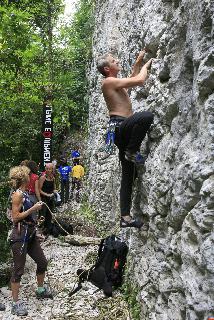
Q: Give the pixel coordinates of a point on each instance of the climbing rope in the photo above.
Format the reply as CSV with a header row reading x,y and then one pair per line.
x,y
56,219
51,258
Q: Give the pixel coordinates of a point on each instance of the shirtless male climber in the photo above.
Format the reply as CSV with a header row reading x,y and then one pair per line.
x,y
130,128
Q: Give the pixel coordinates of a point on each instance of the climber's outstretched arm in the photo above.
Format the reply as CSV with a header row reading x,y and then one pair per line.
x,y
138,64
119,83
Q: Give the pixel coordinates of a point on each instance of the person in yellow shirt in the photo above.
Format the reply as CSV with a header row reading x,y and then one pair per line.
x,y
77,176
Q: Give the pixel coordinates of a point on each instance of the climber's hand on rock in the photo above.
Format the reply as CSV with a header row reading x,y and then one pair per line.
x,y
148,64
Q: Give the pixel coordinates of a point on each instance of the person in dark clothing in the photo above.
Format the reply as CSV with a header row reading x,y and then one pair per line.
x,y
33,187
64,171
130,129
23,238
47,189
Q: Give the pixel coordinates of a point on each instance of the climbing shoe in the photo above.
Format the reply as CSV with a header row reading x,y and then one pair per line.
x,y
2,307
19,309
133,223
136,157
44,293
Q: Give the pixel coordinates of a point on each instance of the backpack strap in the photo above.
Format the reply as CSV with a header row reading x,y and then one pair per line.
x,y
79,286
23,198
100,247
82,276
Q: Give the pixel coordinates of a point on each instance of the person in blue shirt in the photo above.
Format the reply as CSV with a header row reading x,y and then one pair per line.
x,y
75,154
64,171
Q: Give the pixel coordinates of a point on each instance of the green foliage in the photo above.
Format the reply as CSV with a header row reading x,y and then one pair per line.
x,y
25,63
76,47
4,245
23,75
130,293
114,308
36,52
86,211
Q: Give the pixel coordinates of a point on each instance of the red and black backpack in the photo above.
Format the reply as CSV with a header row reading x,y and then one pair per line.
x,y
109,268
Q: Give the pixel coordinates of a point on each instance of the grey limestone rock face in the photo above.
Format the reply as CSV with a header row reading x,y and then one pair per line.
x,y
172,263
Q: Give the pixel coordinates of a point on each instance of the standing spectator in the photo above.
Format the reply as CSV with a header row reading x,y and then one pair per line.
x,y
64,171
77,175
33,187
23,239
47,189
75,154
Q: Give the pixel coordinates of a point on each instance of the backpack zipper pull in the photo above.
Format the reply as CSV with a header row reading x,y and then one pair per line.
x,y
116,264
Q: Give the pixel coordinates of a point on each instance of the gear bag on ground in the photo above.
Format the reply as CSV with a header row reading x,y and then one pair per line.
x,y
109,268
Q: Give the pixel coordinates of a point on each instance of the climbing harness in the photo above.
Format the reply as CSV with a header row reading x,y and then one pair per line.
x,y
110,137
24,240
26,237
23,224
109,148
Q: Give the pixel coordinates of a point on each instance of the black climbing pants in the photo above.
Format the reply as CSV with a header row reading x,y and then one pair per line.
x,y
129,133
65,190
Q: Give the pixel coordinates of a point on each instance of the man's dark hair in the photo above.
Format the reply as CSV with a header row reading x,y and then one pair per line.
x,y
32,166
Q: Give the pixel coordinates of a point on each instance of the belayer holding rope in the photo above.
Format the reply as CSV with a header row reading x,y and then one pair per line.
x,y
130,129
23,239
